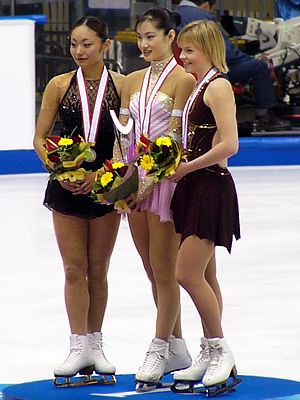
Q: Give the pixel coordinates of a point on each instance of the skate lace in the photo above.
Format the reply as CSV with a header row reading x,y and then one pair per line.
x,y
216,358
97,347
152,360
75,351
203,356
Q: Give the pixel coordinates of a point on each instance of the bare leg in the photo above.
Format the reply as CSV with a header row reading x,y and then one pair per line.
x,y
211,277
72,236
139,227
100,246
193,259
162,238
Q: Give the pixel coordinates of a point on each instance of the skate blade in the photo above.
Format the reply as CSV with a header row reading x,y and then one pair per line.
x,y
108,379
142,387
180,386
225,387
67,382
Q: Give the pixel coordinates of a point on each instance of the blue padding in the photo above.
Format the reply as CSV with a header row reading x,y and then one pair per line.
x,y
20,162
38,18
253,152
251,388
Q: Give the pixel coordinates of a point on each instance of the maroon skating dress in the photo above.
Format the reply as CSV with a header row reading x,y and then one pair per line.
x,y
205,201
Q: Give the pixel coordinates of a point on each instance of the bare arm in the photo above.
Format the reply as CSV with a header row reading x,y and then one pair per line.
x,y
183,89
219,97
46,118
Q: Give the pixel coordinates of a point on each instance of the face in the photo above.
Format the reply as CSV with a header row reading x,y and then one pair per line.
x,y
86,47
153,43
194,60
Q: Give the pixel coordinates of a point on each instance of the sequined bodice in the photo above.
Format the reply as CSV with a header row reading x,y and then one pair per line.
x,y
202,126
160,116
71,117
162,105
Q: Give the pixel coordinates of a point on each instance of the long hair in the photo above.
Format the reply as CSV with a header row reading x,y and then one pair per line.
x,y
206,36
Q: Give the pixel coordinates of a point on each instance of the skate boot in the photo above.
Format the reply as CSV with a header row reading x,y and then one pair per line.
x,y
79,361
179,356
149,374
221,367
185,380
101,365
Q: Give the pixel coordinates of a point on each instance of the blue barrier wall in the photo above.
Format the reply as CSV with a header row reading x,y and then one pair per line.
x,y
252,152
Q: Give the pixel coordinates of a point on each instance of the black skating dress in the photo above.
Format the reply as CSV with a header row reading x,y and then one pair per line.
x,y
205,201
62,200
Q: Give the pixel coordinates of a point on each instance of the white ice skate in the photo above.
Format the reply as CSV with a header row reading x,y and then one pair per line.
x,y
179,356
185,379
221,367
79,361
149,374
101,365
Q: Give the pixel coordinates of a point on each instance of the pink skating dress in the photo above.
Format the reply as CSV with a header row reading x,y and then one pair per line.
x,y
159,200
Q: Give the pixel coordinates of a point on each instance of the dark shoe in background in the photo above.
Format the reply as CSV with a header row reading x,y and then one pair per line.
x,y
270,122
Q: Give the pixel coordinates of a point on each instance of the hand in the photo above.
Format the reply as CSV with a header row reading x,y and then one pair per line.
x,y
82,187
182,170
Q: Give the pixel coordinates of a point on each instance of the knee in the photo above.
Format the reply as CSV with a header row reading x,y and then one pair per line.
x,y
164,278
98,272
261,68
74,274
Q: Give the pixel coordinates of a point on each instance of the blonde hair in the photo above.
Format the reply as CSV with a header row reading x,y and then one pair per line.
x,y
206,36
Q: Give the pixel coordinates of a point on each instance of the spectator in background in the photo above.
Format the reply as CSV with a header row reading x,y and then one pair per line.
x,y
242,67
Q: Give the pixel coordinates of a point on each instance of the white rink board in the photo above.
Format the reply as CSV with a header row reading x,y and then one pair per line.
x,y
17,84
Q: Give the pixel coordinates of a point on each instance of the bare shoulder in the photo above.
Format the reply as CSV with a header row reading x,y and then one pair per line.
x,y
63,80
218,86
118,78
133,76
134,81
183,77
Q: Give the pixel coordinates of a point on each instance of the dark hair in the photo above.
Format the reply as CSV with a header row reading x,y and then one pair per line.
x,y
162,19
98,25
200,2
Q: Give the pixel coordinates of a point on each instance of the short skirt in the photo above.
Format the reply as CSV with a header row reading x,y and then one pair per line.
x,y
59,199
205,204
159,199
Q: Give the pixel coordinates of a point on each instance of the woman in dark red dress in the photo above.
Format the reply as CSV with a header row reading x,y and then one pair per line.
x,y
205,207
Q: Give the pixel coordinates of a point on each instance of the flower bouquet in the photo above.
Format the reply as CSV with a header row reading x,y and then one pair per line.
x,y
64,156
159,158
115,182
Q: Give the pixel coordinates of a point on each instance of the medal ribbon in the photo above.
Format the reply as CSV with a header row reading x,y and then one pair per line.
x,y
185,114
90,125
145,109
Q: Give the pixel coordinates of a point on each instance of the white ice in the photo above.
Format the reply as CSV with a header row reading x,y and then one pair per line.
x,y
260,282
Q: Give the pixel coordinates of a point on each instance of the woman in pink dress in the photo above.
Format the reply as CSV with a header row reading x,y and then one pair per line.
x,y
154,98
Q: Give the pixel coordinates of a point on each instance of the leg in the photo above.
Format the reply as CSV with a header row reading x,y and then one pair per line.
x,y
72,237
258,72
211,278
193,258
163,265
101,241
139,228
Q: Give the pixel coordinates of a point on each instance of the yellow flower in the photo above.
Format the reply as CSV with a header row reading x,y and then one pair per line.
x,y
65,142
147,162
116,165
163,141
106,178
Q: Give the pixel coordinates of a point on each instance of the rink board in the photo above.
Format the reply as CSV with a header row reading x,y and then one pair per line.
x,y
252,152
251,388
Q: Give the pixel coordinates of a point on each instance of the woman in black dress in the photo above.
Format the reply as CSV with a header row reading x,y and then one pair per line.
x,y
204,204
85,231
